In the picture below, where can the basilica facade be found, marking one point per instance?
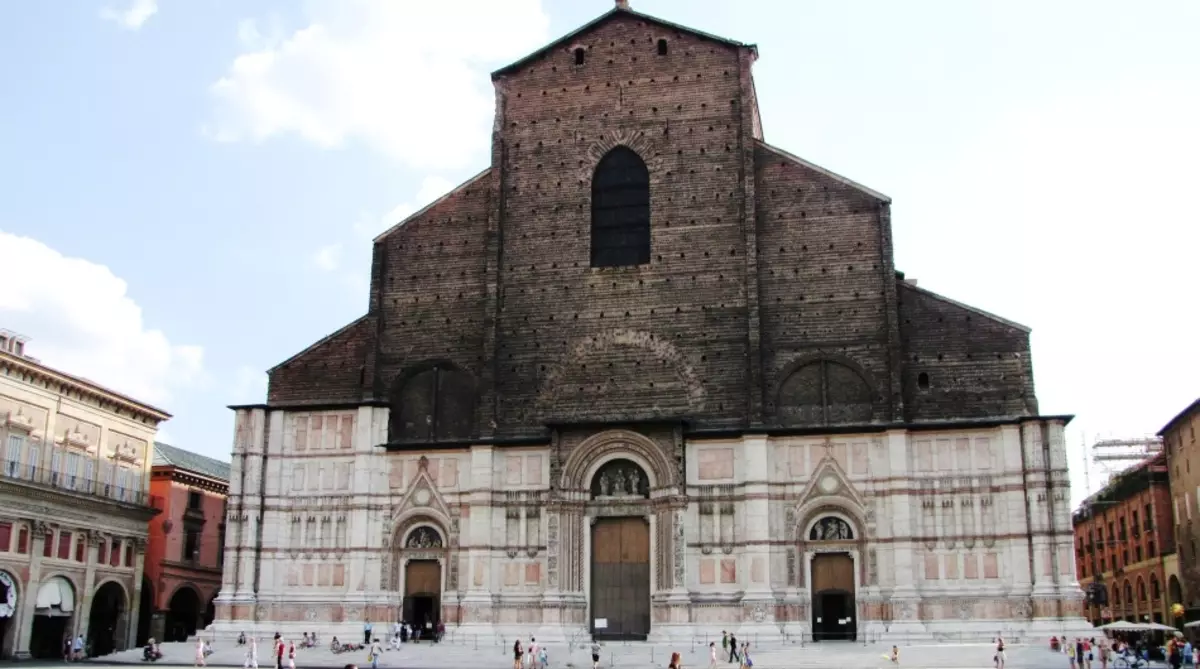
(649, 376)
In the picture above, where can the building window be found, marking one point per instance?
(579, 55)
(114, 558)
(621, 210)
(12, 459)
(1150, 552)
(191, 546)
(1154, 591)
(194, 500)
(923, 381)
(80, 550)
(48, 544)
(129, 554)
(23, 541)
(1137, 553)
(221, 547)
(662, 47)
(5, 537)
(33, 462)
(64, 545)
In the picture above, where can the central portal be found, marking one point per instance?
(834, 616)
(621, 578)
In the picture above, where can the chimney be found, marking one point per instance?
(622, 4)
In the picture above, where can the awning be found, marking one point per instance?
(55, 597)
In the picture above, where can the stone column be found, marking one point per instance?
(28, 604)
(904, 598)
(84, 613)
(758, 611)
(1010, 514)
(477, 603)
(135, 606)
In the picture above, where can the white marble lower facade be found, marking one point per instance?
(934, 533)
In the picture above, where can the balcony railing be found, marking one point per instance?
(41, 476)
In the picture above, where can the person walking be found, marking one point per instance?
(1000, 653)
(595, 655)
(200, 652)
(733, 648)
(291, 655)
(676, 662)
(252, 654)
(712, 655)
(376, 651)
(517, 652)
(367, 633)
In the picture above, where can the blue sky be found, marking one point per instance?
(190, 188)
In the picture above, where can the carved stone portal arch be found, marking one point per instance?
(416, 537)
(830, 527)
(589, 457)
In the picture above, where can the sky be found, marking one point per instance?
(190, 188)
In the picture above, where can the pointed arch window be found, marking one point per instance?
(621, 210)
(434, 404)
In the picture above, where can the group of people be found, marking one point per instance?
(73, 649)
(283, 652)
(534, 656)
(729, 644)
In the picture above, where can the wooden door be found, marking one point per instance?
(621, 578)
(422, 592)
(834, 611)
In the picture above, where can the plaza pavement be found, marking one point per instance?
(617, 655)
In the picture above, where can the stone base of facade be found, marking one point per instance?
(561, 619)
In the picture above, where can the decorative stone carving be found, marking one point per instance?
(831, 528)
(759, 613)
(678, 548)
(424, 537)
(1022, 609)
(620, 479)
(40, 528)
(872, 568)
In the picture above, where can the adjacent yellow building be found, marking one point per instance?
(74, 508)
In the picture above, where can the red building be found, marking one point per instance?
(1125, 546)
(185, 552)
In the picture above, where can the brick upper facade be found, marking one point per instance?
(770, 299)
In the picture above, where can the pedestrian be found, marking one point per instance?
(533, 653)
(712, 655)
(291, 655)
(895, 655)
(595, 655)
(252, 654)
(1000, 653)
(367, 633)
(676, 662)
(200, 652)
(733, 648)
(517, 652)
(376, 651)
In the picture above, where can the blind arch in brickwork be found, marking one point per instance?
(825, 391)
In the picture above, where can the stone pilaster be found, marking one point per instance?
(904, 596)
(758, 601)
(28, 603)
(477, 603)
(139, 567)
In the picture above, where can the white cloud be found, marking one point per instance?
(134, 17)
(80, 319)
(164, 437)
(432, 188)
(408, 79)
(328, 258)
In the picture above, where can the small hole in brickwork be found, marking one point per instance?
(678, 310)
(940, 356)
(676, 78)
(610, 61)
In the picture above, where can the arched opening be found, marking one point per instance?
(1174, 590)
(579, 53)
(834, 614)
(183, 613)
(145, 612)
(422, 604)
(8, 614)
(923, 381)
(620, 565)
(53, 612)
(825, 392)
(107, 620)
(621, 210)
(662, 47)
(434, 404)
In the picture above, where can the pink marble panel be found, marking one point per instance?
(952, 567)
(970, 566)
(728, 570)
(411, 467)
(1047, 561)
(533, 469)
(931, 567)
(715, 463)
(1066, 560)
(346, 431)
(433, 468)
(533, 573)
(839, 451)
(344, 475)
(983, 453)
(924, 449)
(324, 575)
(301, 431)
(478, 572)
(991, 565)
(962, 455)
(943, 455)
(708, 571)
(396, 473)
(512, 470)
(758, 570)
(309, 576)
(798, 461)
(512, 573)
(858, 458)
(449, 477)
(293, 575)
(339, 575)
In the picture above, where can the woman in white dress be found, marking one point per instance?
(200, 652)
(252, 654)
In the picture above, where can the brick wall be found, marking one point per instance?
(759, 264)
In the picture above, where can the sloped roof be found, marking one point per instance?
(166, 455)
(618, 10)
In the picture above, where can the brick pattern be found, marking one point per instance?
(759, 264)
(976, 366)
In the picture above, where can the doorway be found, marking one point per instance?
(106, 622)
(53, 618)
(183, 611)
(621, 579)
(423, 594)
(834, 615)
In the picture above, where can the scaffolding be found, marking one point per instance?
(1110, 456)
